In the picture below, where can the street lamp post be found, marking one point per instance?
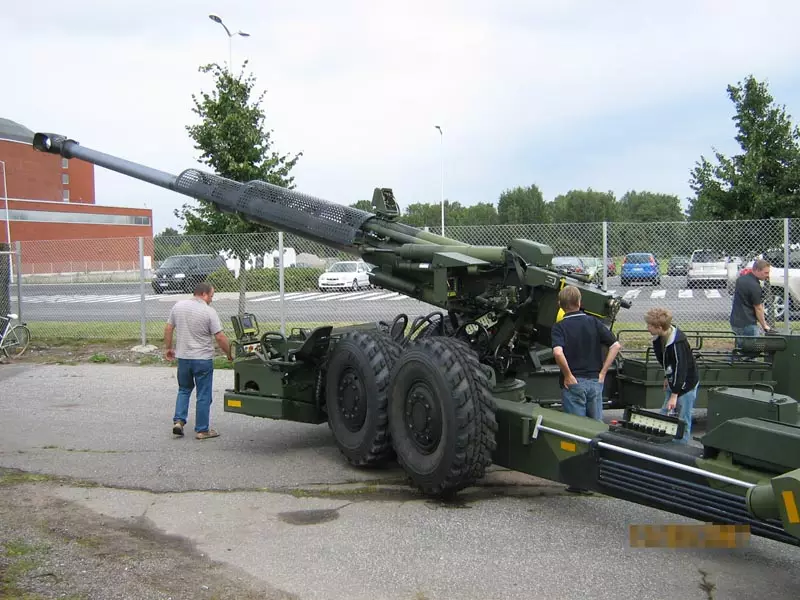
(5, 198)
(441, 152)
(218, 19)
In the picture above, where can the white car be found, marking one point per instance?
(707, 268)
(345, 275)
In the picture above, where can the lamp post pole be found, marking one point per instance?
(5, 198)
(8, 228)
(218, 19)
(441, 152)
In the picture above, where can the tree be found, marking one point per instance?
(522, 205)
(363, 205)
(649, 207)
(169, 243)
(584, 206)
(232, 139)
(764, 180)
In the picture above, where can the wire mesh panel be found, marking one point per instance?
(689, 267)
(95, 288)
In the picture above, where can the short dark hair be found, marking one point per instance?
(760, 264)
(203, 287)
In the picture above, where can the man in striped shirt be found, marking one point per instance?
(197, 326)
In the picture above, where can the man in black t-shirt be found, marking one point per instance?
(747, 311)
(578, 341)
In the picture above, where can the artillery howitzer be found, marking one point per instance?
(459, 389)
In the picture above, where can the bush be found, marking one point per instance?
(295, 279)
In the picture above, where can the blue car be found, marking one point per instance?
(640, 266)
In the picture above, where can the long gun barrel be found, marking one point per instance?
(510, 291)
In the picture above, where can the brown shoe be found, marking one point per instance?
(177, 428)
(203, 435)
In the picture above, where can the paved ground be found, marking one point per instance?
(273, 504)
(122, 302)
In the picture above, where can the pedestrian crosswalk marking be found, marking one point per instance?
(713, 294)
(684, 293)
(659, 294)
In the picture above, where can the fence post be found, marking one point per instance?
(143, 310)
(5, 279)
(787, 298)
(18, 260)
(280, 283)
(604, 266)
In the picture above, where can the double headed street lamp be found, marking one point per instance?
(218, 19)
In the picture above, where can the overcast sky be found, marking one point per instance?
(608, 94)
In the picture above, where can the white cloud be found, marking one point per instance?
(358, 86)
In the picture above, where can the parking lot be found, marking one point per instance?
(274, 506)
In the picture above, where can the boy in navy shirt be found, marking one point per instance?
(578, 341)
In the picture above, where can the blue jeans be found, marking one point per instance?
(584, 398)
(683, 409)
(747, 331)
(193, 372)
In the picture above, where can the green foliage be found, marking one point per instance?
(522, 205)
(295, 279)
(584, 206)
(649, 207)
(233, 141)
(764, 180)
(363, 205)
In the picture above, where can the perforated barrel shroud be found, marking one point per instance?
(281, 208)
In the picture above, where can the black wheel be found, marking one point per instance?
(356, 395)
(441, 415)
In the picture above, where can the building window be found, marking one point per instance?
(65, 163)
(43, 216)
(65, 195)
(65, 178)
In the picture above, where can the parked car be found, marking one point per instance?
(707, 268)
(569, 264)
(678, 265)
(592, 265)
(345, 275)
(182, 272)
(640, 266)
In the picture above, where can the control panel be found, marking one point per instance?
(245, 327)
(649, 424)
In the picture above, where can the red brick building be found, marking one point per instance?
(52, 210)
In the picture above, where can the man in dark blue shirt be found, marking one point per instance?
(578, 341)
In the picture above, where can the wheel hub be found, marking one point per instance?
(352, 398)
(423, 418)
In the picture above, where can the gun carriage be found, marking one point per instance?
(474, 382)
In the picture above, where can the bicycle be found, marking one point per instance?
(13, 338)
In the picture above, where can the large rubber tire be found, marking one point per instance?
(441, 415)
(356, 396)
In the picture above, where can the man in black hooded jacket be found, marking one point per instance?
(674, 354)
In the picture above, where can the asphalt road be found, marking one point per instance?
(269, 497)
(122, 302)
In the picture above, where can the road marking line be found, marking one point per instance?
(263, 298)
(684, 293)
(388, 296)
(713, 294)
(295, 296)
(364, 297)
(658, 294)
(327, 297)
(631, 294)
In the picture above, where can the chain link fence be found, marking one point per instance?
(124, 288)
